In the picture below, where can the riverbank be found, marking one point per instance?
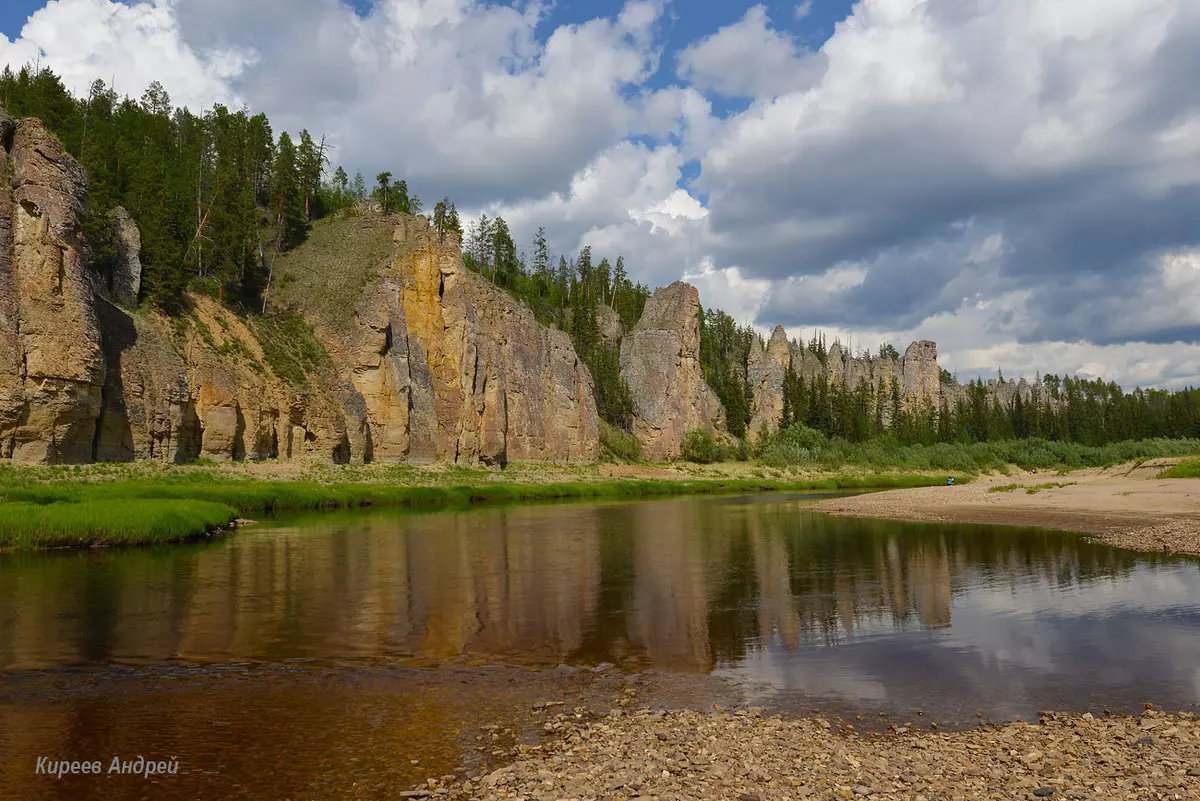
(119, 505)
(1126, 506)
(746, 755)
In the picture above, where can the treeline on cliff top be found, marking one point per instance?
(217, 196)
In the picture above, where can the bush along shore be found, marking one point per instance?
(644, 754)
(53, 509)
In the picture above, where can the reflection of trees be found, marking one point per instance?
(683, 583)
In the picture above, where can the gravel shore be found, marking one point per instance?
(1125, 506)
(747, 756)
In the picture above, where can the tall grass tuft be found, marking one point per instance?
(1188, 469)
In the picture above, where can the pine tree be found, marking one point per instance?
(287, 197)
(359, 188)
(383, 192)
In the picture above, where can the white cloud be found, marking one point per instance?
(83, 40)
(749, 59)
(803, 10)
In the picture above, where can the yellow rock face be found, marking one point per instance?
(453, 369)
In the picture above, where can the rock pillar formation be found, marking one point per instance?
(660, 361)
(51, 360)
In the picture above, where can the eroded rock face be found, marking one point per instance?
(452, 368)
(766, 373)
(610, 325)
(660, 361)
(11, 378)
(917, 375)
(52, 370)
(178, 394)
(126, 279)
(920, 381)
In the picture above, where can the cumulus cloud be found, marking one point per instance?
(1061, 128)
(749, 59)
(83, 40)
(1016, 179)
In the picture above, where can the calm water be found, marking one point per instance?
(318, 658)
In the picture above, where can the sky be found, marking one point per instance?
(1017, 180)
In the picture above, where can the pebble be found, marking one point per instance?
(744, 755)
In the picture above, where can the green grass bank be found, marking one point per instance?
(38, 510)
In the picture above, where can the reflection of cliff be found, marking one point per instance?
(671, 590)
(681, 583)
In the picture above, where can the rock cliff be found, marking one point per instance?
(51, 361)
(453, 369)
(439, 364)
(660, 361)
(765, 374)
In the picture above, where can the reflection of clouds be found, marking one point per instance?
(770, 671)
(1148, 588)
(1006, 666)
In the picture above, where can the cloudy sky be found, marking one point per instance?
(1018, 180)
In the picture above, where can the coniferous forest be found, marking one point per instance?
(218, 195)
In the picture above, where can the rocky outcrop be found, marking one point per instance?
(126, 280)
(765, 373)
(452, 368)
(205, 390)
(609, 322)
(52, 370)
(12, 393)
(920, 382)
(660, 361)
(916, 375)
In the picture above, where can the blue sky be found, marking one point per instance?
(902, 176)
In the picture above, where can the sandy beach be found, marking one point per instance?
(1125, 506)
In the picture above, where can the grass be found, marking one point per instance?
(1033, 489)
(1187, 469)
(106, 523)
(290, 347)
(67, 512)
(326, 276)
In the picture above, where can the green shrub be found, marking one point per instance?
(797, 445)
(1188, 469)
(618, 444)
(700, 447)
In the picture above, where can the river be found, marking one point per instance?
(350, 655)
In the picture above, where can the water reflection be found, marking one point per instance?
(765, 592)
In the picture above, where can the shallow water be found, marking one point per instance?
(318, 657)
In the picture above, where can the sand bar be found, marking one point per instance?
(1126, 506)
